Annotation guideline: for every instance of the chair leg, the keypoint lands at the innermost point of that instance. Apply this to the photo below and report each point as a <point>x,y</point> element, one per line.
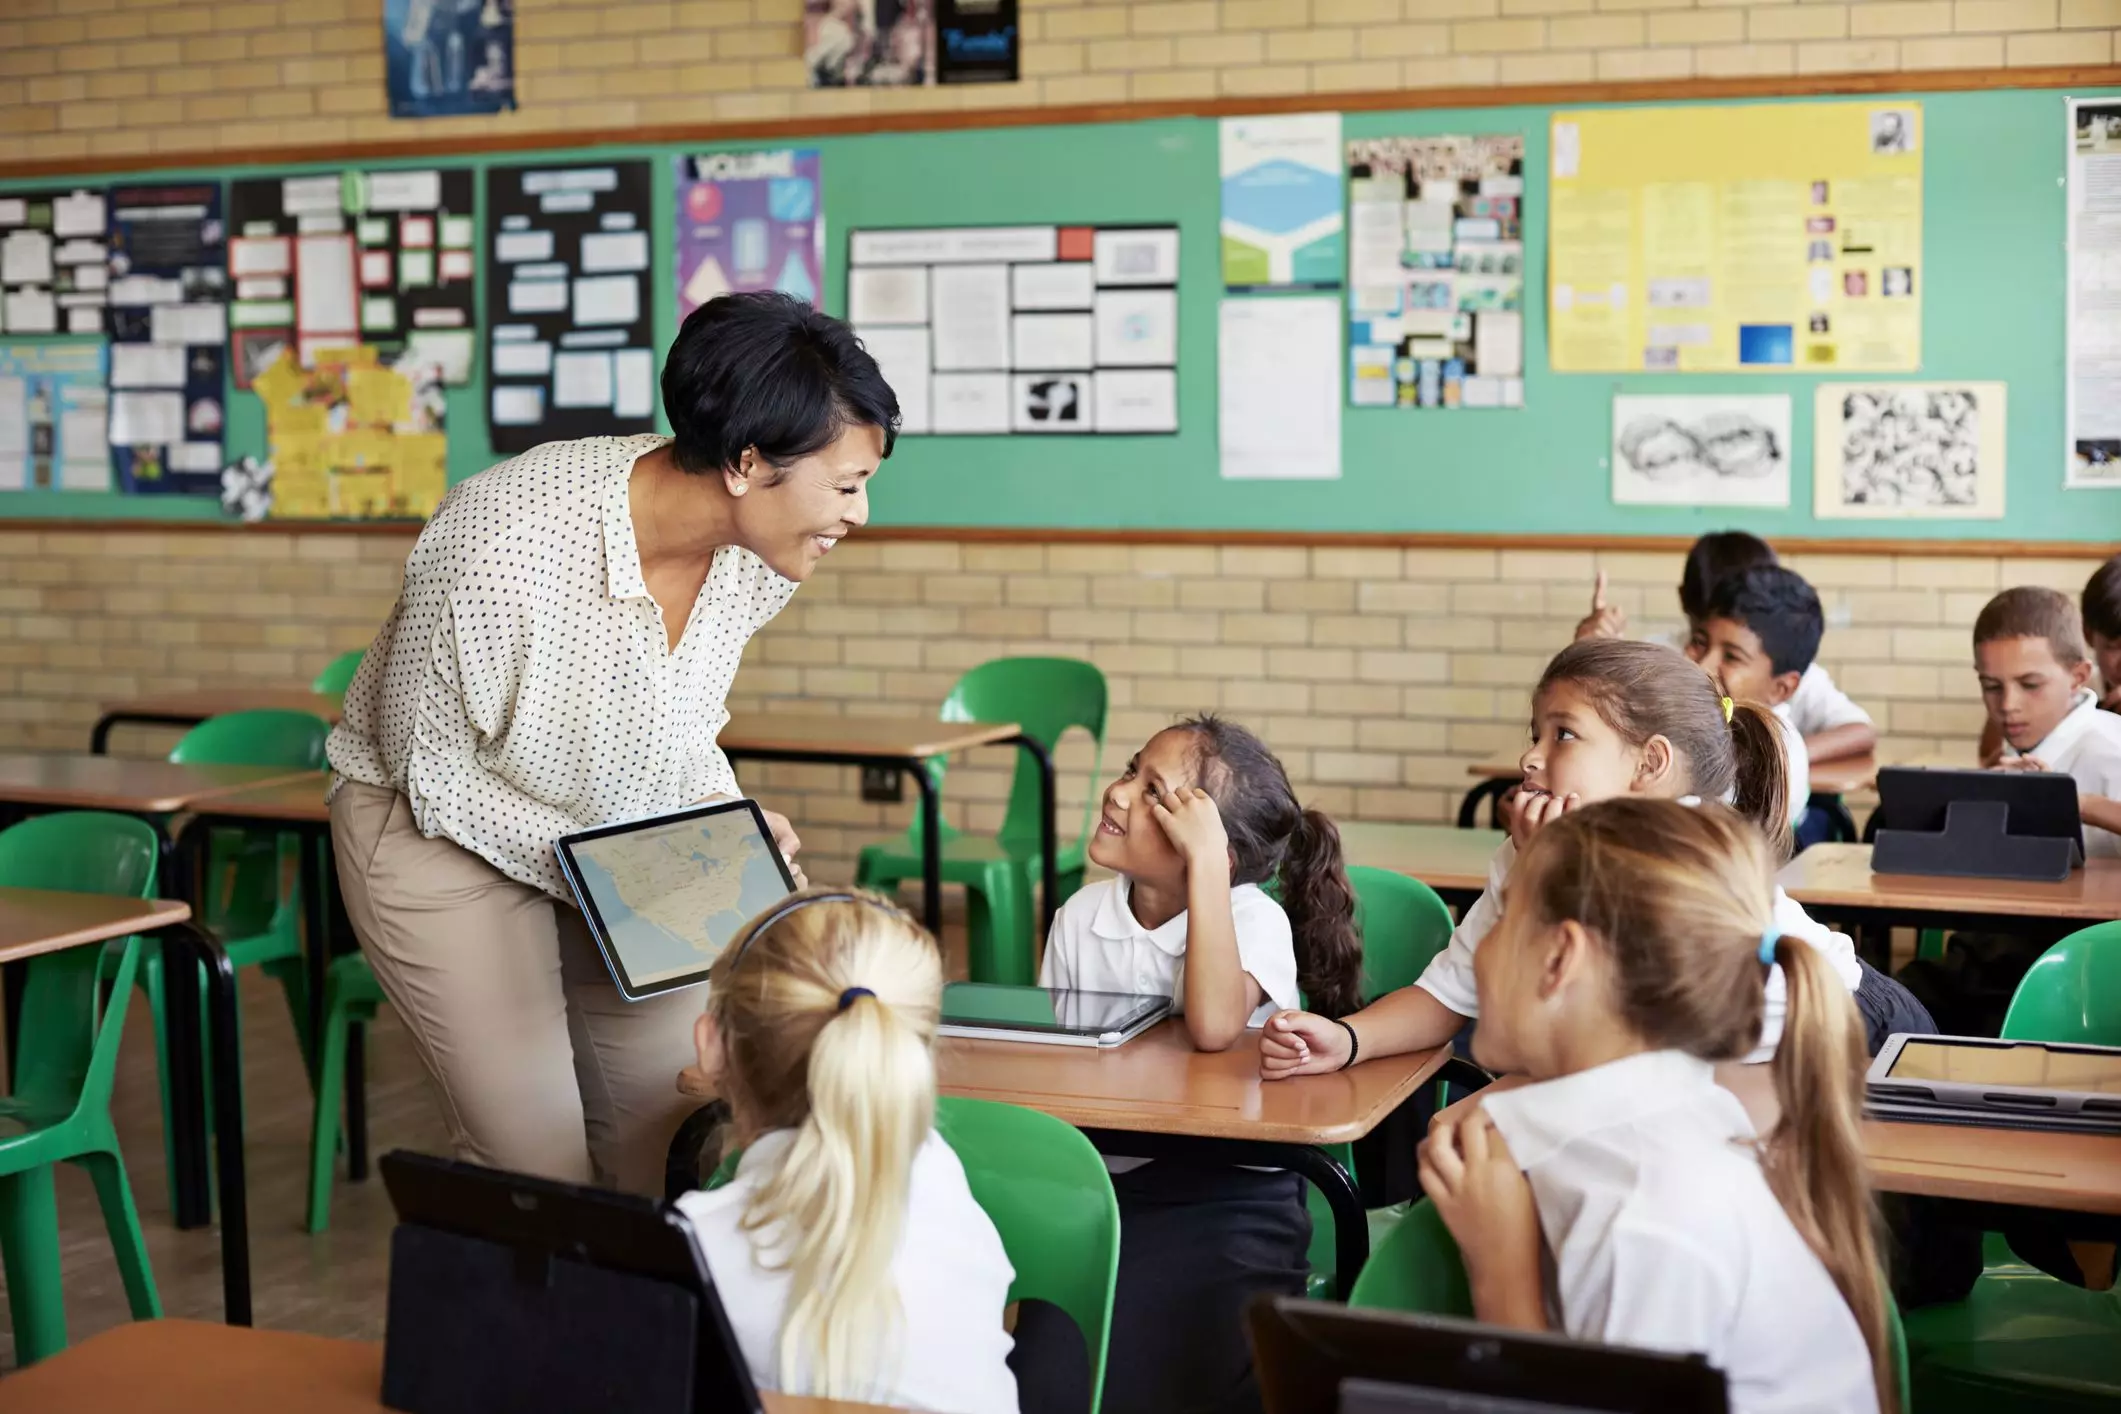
<point>115,1194</point>
<point>29,1251</point>
<point>289,972</point>
<point>151,982</point>
<point>324,1121</point>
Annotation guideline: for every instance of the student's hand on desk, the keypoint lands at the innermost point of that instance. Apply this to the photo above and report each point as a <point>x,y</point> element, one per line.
<point>1188,816</point>
<point>1467,1171</point>
<point>1605,620</point>
<point>1300,1043</point>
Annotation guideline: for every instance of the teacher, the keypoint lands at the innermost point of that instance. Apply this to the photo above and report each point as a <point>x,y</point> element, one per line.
<point>559,657</point>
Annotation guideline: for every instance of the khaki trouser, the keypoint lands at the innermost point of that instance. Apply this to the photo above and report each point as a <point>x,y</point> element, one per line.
<point>541,1066</point>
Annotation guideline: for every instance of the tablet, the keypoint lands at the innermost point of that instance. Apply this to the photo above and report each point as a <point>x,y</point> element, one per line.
<point>663,897</point>
<point>1051,1016</point>
<point>1977,1076</point>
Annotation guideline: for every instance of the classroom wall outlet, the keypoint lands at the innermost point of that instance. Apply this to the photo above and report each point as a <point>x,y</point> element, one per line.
<point>883,785</point>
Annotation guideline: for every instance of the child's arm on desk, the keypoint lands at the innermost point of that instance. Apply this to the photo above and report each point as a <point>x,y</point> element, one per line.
<point>1304,1043</point>
<point>1838,743</point>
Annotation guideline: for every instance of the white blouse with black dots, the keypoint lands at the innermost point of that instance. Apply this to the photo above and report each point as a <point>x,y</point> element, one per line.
<point>524,687</point>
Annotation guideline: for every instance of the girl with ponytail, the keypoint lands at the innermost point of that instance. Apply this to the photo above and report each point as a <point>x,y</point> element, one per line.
<point>1203,816</point>
<point>850,1254</point>
<point>1631,958</point>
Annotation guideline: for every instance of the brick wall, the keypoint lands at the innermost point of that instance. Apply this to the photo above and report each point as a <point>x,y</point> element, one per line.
<point>82,78</point>
<point>1379,675</point>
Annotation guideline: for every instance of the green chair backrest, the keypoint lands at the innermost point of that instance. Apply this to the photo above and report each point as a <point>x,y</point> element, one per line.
<point>267,737</point>
<point>1051,1200</point>
<point>68,1050</point>
<point>337,673</point>
<point>1416,1268</point>
<point>2072,992</point>
<point>1403,924</point>
<point>1045,696</point>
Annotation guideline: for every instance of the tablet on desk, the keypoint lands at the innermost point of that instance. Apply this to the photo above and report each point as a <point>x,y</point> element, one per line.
<point>1977,1080</point>
<point>663,897</point>
<point>1047,1015</point>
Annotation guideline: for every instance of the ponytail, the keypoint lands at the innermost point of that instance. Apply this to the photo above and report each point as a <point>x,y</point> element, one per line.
<point>1814,1156</point>
<point>1763,776</point>
<point>1321,907</point>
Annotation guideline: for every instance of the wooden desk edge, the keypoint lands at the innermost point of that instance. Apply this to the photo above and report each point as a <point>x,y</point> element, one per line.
<point>943,742</point>
<point>165,913</point>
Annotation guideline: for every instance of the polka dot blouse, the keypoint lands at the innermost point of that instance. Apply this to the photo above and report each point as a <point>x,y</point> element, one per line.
<point>524,687</point>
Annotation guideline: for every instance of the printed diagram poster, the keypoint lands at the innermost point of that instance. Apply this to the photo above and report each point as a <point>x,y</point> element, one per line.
<point>1769,237</point>
<point>169,332</point>
<point>2092,383</point>
<point>1436,271</point>
<point>352,438</point>
<point>1690,449</point>
<point>869,43</point>
<point>1929,451</point>
<point>570,331</point>
<point>52,261</point>
<point>52,409</point>
<point>448,57</point>
<point>334,259</point>
<point>1281,209</point>
<point>749,221</point>
<point>1022,329</point>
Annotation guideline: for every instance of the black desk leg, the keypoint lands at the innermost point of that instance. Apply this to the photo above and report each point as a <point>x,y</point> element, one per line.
<point>187,953</point>
<point>1048,835</point>
<point>184,1047</point>
<point>931,848</point>
<point>99,737</point>
<point>1837,811</point>
<point>1489,790</point>
<point>357,1102</point>
<point>315,882</point>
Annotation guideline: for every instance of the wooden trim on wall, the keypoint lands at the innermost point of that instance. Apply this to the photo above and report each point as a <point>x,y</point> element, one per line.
<point>1320,539</point>
<point>503,140</point>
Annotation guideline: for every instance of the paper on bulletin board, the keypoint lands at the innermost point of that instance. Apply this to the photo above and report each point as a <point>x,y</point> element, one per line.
<point>1759,238</point>
<point>749,221</point>
<point>1278,389</point>
<point>52,417</point>
<point>1927,451</point>
<point>1281,216</point>
<point>2092,382</point>
<point>352,438</point>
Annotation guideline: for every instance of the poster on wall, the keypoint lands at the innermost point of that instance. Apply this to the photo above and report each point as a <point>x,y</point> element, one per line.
<point>1031,330</point>
<point>52,409</point>
<point>869,43</point>
<point>168,291</point>
<point>328,260</point>
<point>976,41</point>
<point>749,221</point>
<point>1436,271</point>
<point>1929,451</point>
<point>1691,449</point>
<point>442,58</point>
<point>1278,389</point>
<point>351,437</point>
<point>2092,382</point>
<point>570,331</point>
<point>1281,209</point>
<point>52,261</point>
<point>1759,238</point>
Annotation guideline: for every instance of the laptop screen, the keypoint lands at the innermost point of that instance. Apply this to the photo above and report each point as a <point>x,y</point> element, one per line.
<point>2029,1065</point>
<point>990,1005</point>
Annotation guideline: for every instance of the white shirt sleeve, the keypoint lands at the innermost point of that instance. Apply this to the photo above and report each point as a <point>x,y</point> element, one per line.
<point>1797,760</point>
<point>1818,705</point>
<point>1649,1287</point>
<point>1058,967</point>
<point>1266,945</point>
<point>1449,975</point>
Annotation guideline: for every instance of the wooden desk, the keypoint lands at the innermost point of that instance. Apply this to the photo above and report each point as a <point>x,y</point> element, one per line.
<point>64,781</point>
<point>38,921</point>
<point>191,1367</point>
<point>1836,880</point>
<point>902,744</point>
<point>188,709</point>
<point>1452,861</point>
<point>2019,1168</point>
<point>298,800</point>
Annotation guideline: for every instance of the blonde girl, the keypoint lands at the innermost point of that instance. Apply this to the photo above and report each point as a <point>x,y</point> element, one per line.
<point>848,1248</point>
<point>1623,1193</point>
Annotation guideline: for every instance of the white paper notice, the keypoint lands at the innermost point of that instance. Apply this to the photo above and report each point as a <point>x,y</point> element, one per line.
<point>972,324</point>
<point>1278,391</point>
<point>518,406</point>
<point>2092,337</point>
<point>1069,285</point>
<point>303,196</point>
<point>26,258</point>
<point>146,419</point>
<point>195,456</point>
<point>78,215</point>
<point>324,285</point>
<point>537,296</point>
<point>517,360</point>
<point>404,191</point>
<point>615,250</point>
<point>449,350</point>
<point>1498,343</point>
<point>512,246</point>
<point>581,380</point>
<point>902,357</point>
<point>30,312</point>
<point>13,212</point>
<point>1137,401</point>
<point>633,379</point>
<point>1053,341</point>
<point>887,294</point>
<point>1137,328</point>
<point>194,324</point>
<point>607,299</point>
<point>971,402</point>
<point>146,366</point>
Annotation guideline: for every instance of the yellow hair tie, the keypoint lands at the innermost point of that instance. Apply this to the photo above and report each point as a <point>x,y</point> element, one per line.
<point>1728,708</point>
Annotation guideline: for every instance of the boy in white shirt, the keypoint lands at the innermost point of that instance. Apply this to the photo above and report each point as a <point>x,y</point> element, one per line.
<point>2036,676</point>
<point>1756,636</point>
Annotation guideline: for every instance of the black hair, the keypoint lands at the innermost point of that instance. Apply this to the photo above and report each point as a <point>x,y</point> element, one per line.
<point>2102,601</point>
<point>766,371</point>
<point>1779,607</point>
<point>1716,557</point>
<point>1271,836</point>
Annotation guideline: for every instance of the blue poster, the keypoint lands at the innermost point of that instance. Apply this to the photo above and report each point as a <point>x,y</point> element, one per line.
<point>448,57</point>
<point>52,414</point>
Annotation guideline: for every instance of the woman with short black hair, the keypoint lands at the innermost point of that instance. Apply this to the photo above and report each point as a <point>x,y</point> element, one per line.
<point>568,629</point>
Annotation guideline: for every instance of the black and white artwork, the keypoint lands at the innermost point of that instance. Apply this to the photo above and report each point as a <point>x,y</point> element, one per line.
<point>1701,450</point>
<point>1909,450</point>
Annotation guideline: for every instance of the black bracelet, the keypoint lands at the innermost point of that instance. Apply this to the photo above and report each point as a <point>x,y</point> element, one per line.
<point>1354,1042</point>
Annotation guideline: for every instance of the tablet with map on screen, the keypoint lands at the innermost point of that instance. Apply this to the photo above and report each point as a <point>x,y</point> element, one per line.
<point>663,897</point>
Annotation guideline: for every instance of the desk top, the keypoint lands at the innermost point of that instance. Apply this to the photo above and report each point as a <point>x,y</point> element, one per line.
<point>1842,777</point>
<point>193,1367</point>
<point>1441,856</point>
<point>219,701</point>
<point>34,921</point>
<point>1839,875</point>
<point>2024,1167</point>
<point>908,738</point>
<point>78,781</point>
<point>299,799</point>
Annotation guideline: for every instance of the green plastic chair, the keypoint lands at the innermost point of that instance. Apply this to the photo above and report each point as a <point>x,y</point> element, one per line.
<point>351,994</point>
<point>59,1111</point>
<point>1046,696</point>
<point>2021,1339</point>
<point>338,673</point>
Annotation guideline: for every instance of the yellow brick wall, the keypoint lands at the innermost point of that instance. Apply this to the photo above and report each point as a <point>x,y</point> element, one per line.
<point>96,78</point>
<point>1378,674</point>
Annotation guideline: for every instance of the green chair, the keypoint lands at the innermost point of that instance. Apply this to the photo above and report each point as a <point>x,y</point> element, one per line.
<point>1051,1200</point>
<point>351,995</point>
<point>1046,696</point>
<point>59,1111</point>
<point>2021,1339</point>
<point>337,673</point>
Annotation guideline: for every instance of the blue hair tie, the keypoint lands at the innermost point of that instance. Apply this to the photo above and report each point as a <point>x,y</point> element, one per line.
<point>1767,948</point>
<point>847,997</point>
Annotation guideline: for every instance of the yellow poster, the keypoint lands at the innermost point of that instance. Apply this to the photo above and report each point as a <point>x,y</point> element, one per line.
<point>1774,237</point>
<point>352,439</point>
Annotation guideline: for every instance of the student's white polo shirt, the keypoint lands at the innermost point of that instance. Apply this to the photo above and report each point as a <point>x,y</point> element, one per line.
<point>1097,945</point>
<point>2086,744</point>
<point>1663,1233</point>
